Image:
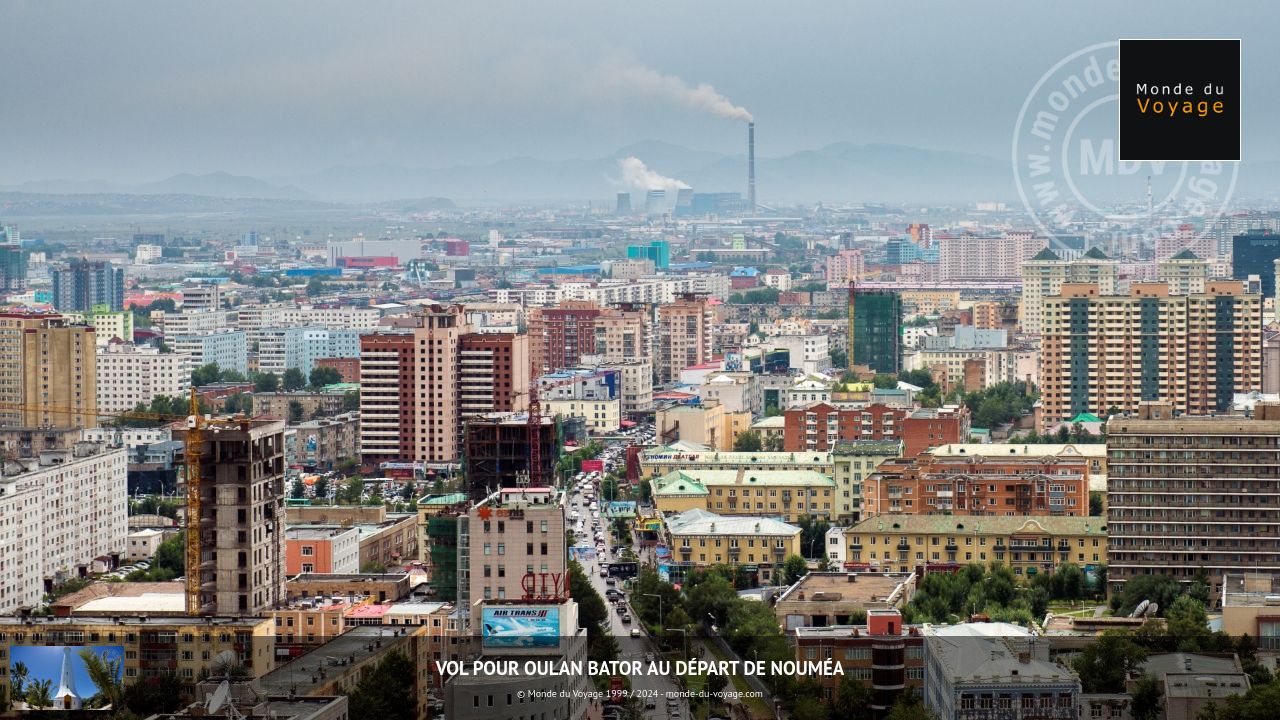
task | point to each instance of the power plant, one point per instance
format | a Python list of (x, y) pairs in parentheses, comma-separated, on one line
[(624, 204), (751, 167)]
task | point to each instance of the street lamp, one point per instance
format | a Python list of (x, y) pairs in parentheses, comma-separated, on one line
[(684, 634), (659, 607)]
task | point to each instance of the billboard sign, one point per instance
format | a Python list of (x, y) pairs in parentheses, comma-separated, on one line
[(593, 466), (516, 626)]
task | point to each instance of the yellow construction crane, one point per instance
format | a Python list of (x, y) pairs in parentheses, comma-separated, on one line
[(196, 424)]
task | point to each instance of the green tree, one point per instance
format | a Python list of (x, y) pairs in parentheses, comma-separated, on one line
[(352, 491), (813, 536), (107, 675), (206, 374), (1068, 582), (1104, 664), (794, 568), (839, 358), (322, 376), (350, 400), (1187, 622), (295, 411), (852, 700), (238, 403), (315, 286), (294, 380), (322, 487), (266, 382), (19, 674), (40, 694), (710, 597), (297, 490), (373, 567), (920, 378), (172, 554), (1147, 699), (381, 694), (909, 706), (1160, 589), (884, 382), (747, 441), (593, 615), (1096, 500)]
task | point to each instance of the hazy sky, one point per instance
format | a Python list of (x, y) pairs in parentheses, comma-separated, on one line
[(136, 91)]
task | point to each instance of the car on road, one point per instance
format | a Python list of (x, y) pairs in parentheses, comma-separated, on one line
[(610, 581), (626, 619), (635, 633), (622, 609), (604, 573), (649, 703), (648, 657)]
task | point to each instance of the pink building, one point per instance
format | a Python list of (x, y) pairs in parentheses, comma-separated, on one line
[(969, 257), (847, 266)]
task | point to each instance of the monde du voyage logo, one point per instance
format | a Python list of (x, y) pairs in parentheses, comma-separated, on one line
[(1180, 100)]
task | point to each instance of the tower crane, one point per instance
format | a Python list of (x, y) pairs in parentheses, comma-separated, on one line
[(196, 424)]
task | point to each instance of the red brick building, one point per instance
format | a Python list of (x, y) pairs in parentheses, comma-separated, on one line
[(821, 425), (1051, 485), (930, 427), (559, 336), (886, 656), (348, 368)]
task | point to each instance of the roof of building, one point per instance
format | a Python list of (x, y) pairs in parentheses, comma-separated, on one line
[(769, 423), (1096, 254), (358, 644), (314, 532), (989, 450), (1185, 254), (169, 600), (676, 484), (745, 477), (859, 587), (985, 652), (981, 525), (449, 499), (701, 522), (664, 453), (1046, 254), (1180, 662), (887, 448)]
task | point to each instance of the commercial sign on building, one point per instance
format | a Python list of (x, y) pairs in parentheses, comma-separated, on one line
[(526, 626)]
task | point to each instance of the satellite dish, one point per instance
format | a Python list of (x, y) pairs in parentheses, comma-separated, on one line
[(223, 662), (219, 697)]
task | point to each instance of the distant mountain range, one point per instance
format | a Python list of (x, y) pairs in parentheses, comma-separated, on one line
[(840, 172)]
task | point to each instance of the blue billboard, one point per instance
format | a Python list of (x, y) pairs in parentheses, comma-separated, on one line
[(527, 626)]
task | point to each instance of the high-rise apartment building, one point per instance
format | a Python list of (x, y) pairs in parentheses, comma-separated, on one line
[(968, 257), (129, 374), (1186, 493), (493, 375), (1102, 352), (684, 336), (64, 510), (875, 329), (1044, 275), (621, 335), (81, 284), (845, 267), (13, 268), (242, 520), (559, 336), (229, 349), (419, 385), (1254, 253), (198, 297), (1184, 273), (48, 371)]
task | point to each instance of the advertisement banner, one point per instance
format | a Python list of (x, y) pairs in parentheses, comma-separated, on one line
[(521, 627)]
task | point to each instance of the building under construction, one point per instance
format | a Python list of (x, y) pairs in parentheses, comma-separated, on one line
[(241, 481), (497, 452)]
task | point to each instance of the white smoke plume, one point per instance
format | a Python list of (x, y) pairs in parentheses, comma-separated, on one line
[(632, 77), (637, 176)]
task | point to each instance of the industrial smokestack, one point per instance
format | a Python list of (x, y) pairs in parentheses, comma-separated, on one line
[(751, 167)]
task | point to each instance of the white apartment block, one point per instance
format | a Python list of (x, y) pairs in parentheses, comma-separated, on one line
[(129, 374), (201, 297), (228, 348), (659, 289), (1044, 274), (528, 296), (280, 349), (967, 257), (59, 513), (601, 415), (254, 318), (190, 323), (144, 254)]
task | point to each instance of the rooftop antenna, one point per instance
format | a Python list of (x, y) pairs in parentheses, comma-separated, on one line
[(1150, 202)]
